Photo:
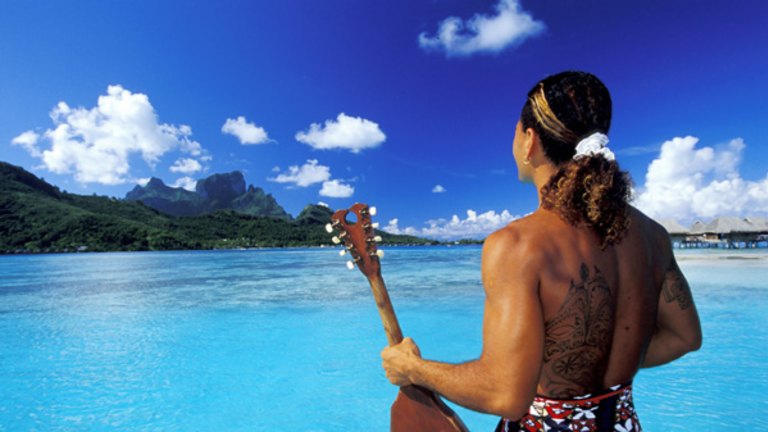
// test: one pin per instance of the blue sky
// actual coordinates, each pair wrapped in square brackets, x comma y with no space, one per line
[367,103]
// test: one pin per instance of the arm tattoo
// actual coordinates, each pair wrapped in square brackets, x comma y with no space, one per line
[578,338]
[675,287]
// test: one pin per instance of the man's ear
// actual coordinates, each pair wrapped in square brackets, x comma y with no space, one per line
[532,143]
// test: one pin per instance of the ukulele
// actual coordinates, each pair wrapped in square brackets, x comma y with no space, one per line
[415,409]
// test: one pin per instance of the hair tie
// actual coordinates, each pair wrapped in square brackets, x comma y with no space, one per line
[594,145]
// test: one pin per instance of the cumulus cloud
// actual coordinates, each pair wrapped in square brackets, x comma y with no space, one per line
[28,140]
[186,166]
[246,132]
[686,182]
[475,226]
[336,189]
[142,181]
[305,175]
[187,183]
[311,173]
[393,227]
[438,189]
[482,33]
[96,144]
[346,132]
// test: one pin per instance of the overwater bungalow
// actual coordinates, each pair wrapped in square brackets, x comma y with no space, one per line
[677,232]
[724,231]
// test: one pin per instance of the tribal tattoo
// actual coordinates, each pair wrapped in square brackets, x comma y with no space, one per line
[675,287]
[578,339]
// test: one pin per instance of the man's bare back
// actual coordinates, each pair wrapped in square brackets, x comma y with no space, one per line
[564,317]
[579,295]
[599,305]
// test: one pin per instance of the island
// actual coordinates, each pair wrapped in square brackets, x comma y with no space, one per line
[222,213]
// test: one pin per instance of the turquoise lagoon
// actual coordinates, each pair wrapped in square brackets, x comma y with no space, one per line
[277,340]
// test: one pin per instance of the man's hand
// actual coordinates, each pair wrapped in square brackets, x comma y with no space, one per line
[398,361]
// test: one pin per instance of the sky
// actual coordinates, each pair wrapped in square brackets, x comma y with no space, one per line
[408,105]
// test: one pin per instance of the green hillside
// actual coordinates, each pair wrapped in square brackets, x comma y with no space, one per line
[36,217]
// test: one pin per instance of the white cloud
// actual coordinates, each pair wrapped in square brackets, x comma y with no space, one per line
[320,203]
[28,140]
[186,166]
[438,189]
[394,228]
[686,182]
[475,226]
[187,183]
[305,175]
[142,181]
[311,173]
[346,132]
[639,150]
[96,144]
[336,189]
[247,133]
[483,33]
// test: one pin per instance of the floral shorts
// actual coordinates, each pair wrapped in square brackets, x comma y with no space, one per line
[610,410]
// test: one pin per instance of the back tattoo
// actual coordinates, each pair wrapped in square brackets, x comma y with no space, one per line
[578,338]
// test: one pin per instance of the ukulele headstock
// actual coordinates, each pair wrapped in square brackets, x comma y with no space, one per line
[358,238]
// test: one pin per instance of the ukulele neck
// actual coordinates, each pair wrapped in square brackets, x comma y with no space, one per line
[384,305]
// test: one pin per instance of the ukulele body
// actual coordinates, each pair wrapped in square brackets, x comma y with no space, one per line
[419,409]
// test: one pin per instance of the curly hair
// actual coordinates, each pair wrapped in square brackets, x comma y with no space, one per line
[563,109]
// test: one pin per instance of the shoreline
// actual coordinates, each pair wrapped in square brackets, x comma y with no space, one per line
[253,248]
[755,254]
[706,254]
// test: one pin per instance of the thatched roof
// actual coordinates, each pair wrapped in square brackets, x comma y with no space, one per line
[732,224]
[673,227]
[698,227]
[758,221]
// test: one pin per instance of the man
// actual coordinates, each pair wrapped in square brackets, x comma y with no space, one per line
[579,295]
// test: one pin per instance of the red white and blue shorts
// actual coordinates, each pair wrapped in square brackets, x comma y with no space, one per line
[610,410]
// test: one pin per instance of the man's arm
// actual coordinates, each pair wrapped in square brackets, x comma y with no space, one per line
[678,330]
[503,380]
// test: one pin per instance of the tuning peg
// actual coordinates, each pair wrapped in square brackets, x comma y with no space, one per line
[372,211]
[350,265]
[377,238]
[380,253]
[375,225]
[335,240]
[329,228]
[342,252]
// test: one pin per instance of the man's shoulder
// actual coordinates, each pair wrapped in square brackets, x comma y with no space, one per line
[511,234]
[645,226]
[519,237]
[533,227]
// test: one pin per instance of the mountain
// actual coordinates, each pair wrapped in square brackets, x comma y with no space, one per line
[256,202]
[216,192]
[314,215]
[224,187]
[37,217]
[173,201]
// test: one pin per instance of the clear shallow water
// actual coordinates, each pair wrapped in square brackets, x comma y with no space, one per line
[284,339]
